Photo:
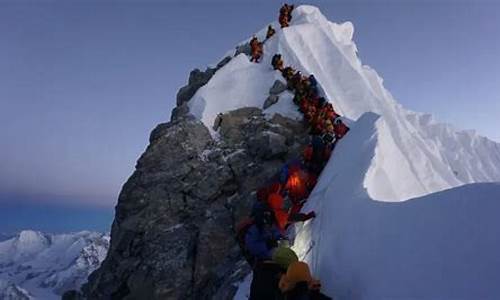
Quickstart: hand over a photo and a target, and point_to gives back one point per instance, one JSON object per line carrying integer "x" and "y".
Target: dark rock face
{"x": 244, "y": 48}
{"x": 272, "y": 99}
{"x": 173, "y": 234}
{"x": 197, "y": 79}
{"x": 277, "y": 88}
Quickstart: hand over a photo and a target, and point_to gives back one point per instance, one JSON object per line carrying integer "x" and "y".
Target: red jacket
{"x": 275, "y": 202}
{"x": 263, "y": 193}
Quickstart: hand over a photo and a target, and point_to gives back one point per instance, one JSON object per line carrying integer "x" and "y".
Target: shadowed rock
{"x": 173, "y": 234}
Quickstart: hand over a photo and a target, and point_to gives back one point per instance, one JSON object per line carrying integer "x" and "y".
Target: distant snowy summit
{"x": 35, "y": 265}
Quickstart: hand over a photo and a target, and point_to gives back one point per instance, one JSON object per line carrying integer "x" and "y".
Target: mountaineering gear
{"x": 295, "y": 80}
{"x": 275, "y": 202}
{"x": 302, "y": 291}
{"x": 328, "y": 138}
{"x": 260, "y": 236}
{"x": 241, "y": 232}
{"x": 300, "y": 217}
{"x": 260, "y": 241}
{"x": 296, "y": 273}
{"x": 284, "y": 256}
{"x": 285, "y": 15}
{"x": 340, "y": 128}
{"x": 283, "y": 20}
{"x": 266, "y": 277}
{"x": 262, "y": 214}
{"x": 288, "y": 73}
{"x": 277, "y": 62}
{"x": 264, "y": 192}
{"x": 270, "y": 32}
{"x": 256, "y": 49}
{"x": 297, "y": 185}
{"x": 317, "y": 162}
{"x": 308, "y": 152}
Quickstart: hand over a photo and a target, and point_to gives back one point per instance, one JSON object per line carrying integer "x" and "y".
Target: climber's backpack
{"x": 241, "y": 232}
{"x": 328, "y": 138}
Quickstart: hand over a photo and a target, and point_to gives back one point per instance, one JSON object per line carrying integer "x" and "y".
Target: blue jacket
{"x": 256, "y": 241}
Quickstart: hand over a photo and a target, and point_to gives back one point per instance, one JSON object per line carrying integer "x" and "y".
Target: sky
{"x": 82, "y": 83}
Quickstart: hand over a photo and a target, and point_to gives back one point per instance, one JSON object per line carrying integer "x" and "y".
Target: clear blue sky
{"x": 82, "y": 83}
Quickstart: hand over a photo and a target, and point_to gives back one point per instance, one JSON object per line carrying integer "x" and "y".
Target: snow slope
{"x": 443, "y": 245}
{"x": 48, "y": 265}
{"x": 415, "y": 155}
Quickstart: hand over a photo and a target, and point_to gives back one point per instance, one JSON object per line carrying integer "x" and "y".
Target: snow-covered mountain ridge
{"x": 415, "y": 155}
{"x": 178, "y": 212}
{"x": 46, "y": 265}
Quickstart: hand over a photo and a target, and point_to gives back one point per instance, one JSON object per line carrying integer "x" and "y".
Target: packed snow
{"x": 443, "y": 245}
{"x": 45, "y": 266}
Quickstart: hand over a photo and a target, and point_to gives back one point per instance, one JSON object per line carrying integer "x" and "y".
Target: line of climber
{"x": 257, "y": 47}
{"x": 325, "y": 124}
{"x": 277, "y": 273}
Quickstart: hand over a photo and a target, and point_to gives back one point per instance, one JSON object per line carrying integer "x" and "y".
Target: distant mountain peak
{"x": 47, "y": 265}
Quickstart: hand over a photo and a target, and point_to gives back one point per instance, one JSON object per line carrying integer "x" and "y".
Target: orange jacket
{"x": 297, "y": 185}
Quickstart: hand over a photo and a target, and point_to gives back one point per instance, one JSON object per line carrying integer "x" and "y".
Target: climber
{"x": 262, "y": 236}
{"x": 275, "y": 202}
{"x": 331, "y": 114}
{"x": 264, "y": 192}
{"x": 256, "y": 49}
{"x": 296, "y": 184}
{"x": 270, "y": 32}
{"x": 288, "y": 73}
{"x": 297, "y": 180}
{"x": 285, "y": 15}
{"x": 284, "y": 218}
{"x": 340, "y": 128}
{"x": 295, "y": 80}
{"x": 312, "y": 85}
{"x": 303, "y": 104}
{"x": 310, "y": 114}
{"x": 277, "y": 62}
{"x": 298, "y": 283}
{"x": 307, "y": 153}
{"x": 267, "y": 274}
{"x": 241, "y": 231}
{"x": 283, "y": 20}
{"x": 317, "y": 161}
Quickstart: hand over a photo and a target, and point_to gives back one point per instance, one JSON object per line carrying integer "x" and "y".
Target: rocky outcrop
{"x": 277, "y": 88}
{"x": 197, "y": 79}
{"x": 272, "y": 99}
{"x": 173, "y": 233}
